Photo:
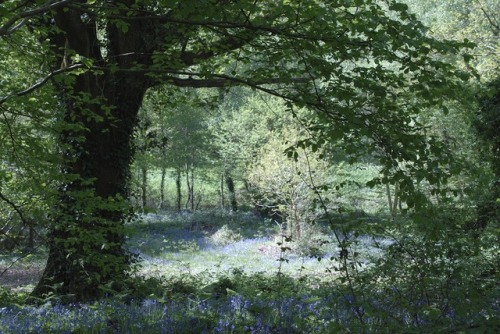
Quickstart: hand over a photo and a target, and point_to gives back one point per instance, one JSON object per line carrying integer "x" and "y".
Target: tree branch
{"x": 11, "y": 133}
{"x": 490, "y": 20}
{"x": 8, "y": 28}
{"x": 218, "y": 80}
{"x": 225, "y": 82}
{"x": 41, "y": 82}
{"x": 246, "y": 24}
{"x": 15, "y": 207}
{"x": 263, "y": 29}
{"x": 33, "y": 251}
{"x": 222, "y": 80}
{"x": 224, "y": 44}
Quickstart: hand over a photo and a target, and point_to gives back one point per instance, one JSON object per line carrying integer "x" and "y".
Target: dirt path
{"x": 20, "y": 276}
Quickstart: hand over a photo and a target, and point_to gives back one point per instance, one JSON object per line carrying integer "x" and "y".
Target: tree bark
{"x": 222, "y": 201}
{"x": 190, "y": 187}
{"x": 232, "y": 193}
{"x": 161, "y": 205}
{"x": 389, "y": 199}
{"x": 144, "y": 188}
{"x": 191, "y": 190}
{"x": 95, "y": 173}
{"x": 178, "y": 188}
{"x": 97, "y": 118}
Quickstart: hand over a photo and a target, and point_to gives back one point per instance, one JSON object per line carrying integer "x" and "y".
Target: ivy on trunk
{"x": 98, "y": 115}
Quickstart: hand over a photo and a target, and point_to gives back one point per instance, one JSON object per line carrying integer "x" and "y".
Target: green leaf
{"x": 399, "y": 7}
{"x": 468, "y": 57}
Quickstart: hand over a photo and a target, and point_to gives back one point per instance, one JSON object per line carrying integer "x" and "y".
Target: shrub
{"x": 225, "y": 236}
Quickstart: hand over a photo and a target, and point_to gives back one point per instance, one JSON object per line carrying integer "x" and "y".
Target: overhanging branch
{"x": 41, "y": 82}
{"x": 173, "y": 77}
{"x": 15, "y": 207}
{"x": 226, "y": 82}
{"x": 222, "y": 80}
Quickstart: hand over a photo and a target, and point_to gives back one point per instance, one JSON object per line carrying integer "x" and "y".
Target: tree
{"x": 358, "y": 64}
{"x": 246, "y": 121}
{"x": 286, "y": 186}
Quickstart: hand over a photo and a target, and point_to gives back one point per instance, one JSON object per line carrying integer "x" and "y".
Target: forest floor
{"x": 215, "y": 272}
{"x": 213, "y": 244}
{"x": 208, "y": 244}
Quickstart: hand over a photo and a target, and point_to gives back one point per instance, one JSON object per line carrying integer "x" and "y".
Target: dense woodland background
{"x": 261, "y": 166}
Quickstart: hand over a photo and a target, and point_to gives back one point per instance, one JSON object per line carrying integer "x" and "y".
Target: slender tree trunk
{"x": 190, "y": 202}
{"x": 188, "y": 186}
{"x": 178, "y": 188}
{"x": 389, "y": 199}
{"x": 232, "y": 194}
{"x": 294, "y": 221}
{"x": 144, "y": 188}
{"x": 222, "y": 204}
{"x": 298, "y": 228}
{"x": 192, "y": 189}
{"x": 199, "y": 198}
{"x": 162, "y": 188}
{"x": 31, "y": 236}
{"x": 393, "y": 201}
{"x": 397, "y": 200}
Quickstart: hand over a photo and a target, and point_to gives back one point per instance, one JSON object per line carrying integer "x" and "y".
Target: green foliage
{"x": 27, "y": 160}
{"x": 436, "y": 273}
{"x": 474, "y": 21}
{"x": 9, "y": 298}
{"x": 246, "y": 122}
{"x": 285, "y": 186}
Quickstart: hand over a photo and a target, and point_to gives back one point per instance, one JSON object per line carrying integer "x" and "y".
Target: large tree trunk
{"x": 86, "y": 248}
{"x": 99, "y": 112}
